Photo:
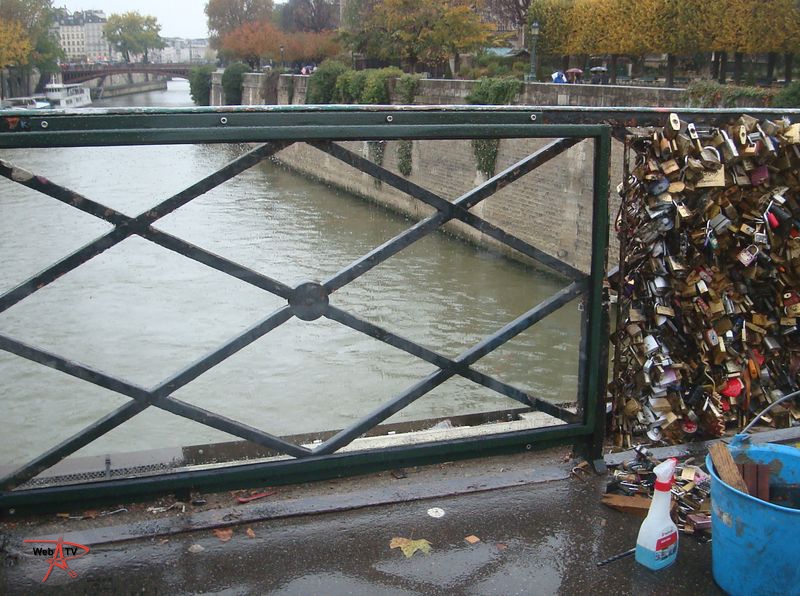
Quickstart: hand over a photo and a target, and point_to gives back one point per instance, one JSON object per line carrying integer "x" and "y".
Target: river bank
{"x": 109, "y": 91}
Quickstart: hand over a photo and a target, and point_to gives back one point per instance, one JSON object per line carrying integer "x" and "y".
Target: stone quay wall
{"x": 551, "y": 207}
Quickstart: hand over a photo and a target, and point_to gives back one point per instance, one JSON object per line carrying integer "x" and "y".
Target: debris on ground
{"x": 177, "y": 504}
{"x": 409, "y": 546}
{"x": 630, "y": 490}
{"x": 224, "y": 534}
{"x": 255, "y": 496}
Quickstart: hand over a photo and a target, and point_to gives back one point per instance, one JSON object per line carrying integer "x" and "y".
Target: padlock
{"x": 728, "y": 147}
{"x": 658, "y": 186}
{"x": 748, "y": 255}
{"x": 673, "y": 126}
{"x": 747, "y": 229}
{"x": 650, "y": 345}
{"x": 792, "y": 310}
{"x": 790, "y": 298}
{"x": 771, "y": 344}
{"x": 719, "y": 224}
{"x": 709, "y": 157}
{"x": 759, "y": 175}
{"x": 748, "y": 122}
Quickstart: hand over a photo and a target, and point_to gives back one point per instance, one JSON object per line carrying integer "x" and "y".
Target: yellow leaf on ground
{"x": 472, "y": 539}
{"x": 250, "y": 533}
{"x": 409, "y": 547}
{"x": 224, "y": 534}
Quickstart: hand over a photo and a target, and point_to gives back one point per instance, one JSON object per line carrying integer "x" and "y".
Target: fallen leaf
{"x": 501, "y": 546}
{"x": 196, "y": 548}
{"x": 409, "y": 547}
{"x": 472, "y": 539}
{"x": 91, "y": 514}
{"x": 250, "y": 533}
{"x": 224, "y": 534}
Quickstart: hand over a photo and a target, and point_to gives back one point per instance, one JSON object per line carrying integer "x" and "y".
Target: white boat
{"x": 67, "y": 96}
{"x": 36, "y": 102}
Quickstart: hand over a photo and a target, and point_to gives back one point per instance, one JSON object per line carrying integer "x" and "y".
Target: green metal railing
{"x": 273, "y": 129}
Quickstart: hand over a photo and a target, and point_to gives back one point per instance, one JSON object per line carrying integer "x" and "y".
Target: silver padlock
{"x": 748, "y": 255}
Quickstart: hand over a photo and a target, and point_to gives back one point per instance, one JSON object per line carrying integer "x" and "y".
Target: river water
{"x": 141, "y": 312}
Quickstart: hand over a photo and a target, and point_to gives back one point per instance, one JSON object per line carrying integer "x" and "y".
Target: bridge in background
{"x": 83, "y": 73}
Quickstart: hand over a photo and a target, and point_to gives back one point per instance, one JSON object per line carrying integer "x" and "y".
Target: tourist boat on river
{"x": 35, "y": 102}
{"x": 67, "y": 96}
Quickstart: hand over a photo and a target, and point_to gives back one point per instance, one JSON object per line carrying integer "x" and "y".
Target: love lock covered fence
{"x": 272, "y": 130}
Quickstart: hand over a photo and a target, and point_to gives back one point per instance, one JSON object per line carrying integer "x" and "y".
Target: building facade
{"x": 80, "y": 35}
{"x": 180, "y": 50}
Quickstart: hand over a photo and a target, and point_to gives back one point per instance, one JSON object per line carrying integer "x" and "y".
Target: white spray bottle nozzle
{"x": 664, "y": 473}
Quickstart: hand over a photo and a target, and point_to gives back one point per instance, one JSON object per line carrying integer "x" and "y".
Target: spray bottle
{"x": 657, "y": 543}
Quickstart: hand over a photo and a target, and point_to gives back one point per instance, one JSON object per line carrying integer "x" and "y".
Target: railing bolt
{"x": 389, "y": 118}
{"x": 533, "y": 117}
{"x": 528, "y": 446}
{"x": 45, "y": 124}
{"x": 223, "y": 120}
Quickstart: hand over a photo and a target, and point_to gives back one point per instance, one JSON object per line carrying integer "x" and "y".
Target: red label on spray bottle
{"x": 666, "y": 541}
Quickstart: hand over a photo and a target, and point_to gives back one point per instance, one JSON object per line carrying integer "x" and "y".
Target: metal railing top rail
{"x": 309, "y": 301}
{"x": 225, "y": 124}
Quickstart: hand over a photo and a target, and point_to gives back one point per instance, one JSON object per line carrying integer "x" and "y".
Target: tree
{"x": 311, "y": 47}
{"x": 200, "y": 84}
{"x": 253, "y": 41}
{"x": 613, "y": 27}
{"x": 232, "y": 83}
{"x": 151, "y": 36}
{"x": 418, "y": 30}
{"x": 555, "y": 26}
{"x": 15, "y": 47}
{"x": 356, "y": 32}
{"x": 681, "y": 32}
{"x": 224, "y": 16}
{"x": 459, "y": 31}
{"x": 132, "y": 34}
{"x": 35, "y": 16}
{"x": 309, "y": 15}
{"x": 514, "y": 11}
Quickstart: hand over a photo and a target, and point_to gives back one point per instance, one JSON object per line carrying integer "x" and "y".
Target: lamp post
{"x": 283, "y": 62}
{"x": 534, "y": 37}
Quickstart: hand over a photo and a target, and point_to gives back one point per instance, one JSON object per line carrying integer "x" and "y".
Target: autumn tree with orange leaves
{"x": 257, "y": 41}
{"x": 252, "y": 42}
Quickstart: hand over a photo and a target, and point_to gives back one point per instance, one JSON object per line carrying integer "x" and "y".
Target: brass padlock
{"x": 673, "y": 126}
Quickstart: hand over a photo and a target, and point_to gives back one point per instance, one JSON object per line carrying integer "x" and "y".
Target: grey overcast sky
{"x": 178, "y": 18}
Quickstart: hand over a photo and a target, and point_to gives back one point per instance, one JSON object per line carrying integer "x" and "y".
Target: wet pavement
{"x": 541, "y": 537}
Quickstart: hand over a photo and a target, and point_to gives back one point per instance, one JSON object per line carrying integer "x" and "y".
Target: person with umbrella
{"x": 574, "y": 75}
{"x": 599, "y": 75}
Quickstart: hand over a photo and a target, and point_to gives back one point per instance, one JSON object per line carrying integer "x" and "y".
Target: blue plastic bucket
{"x": 756, "y": 545}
